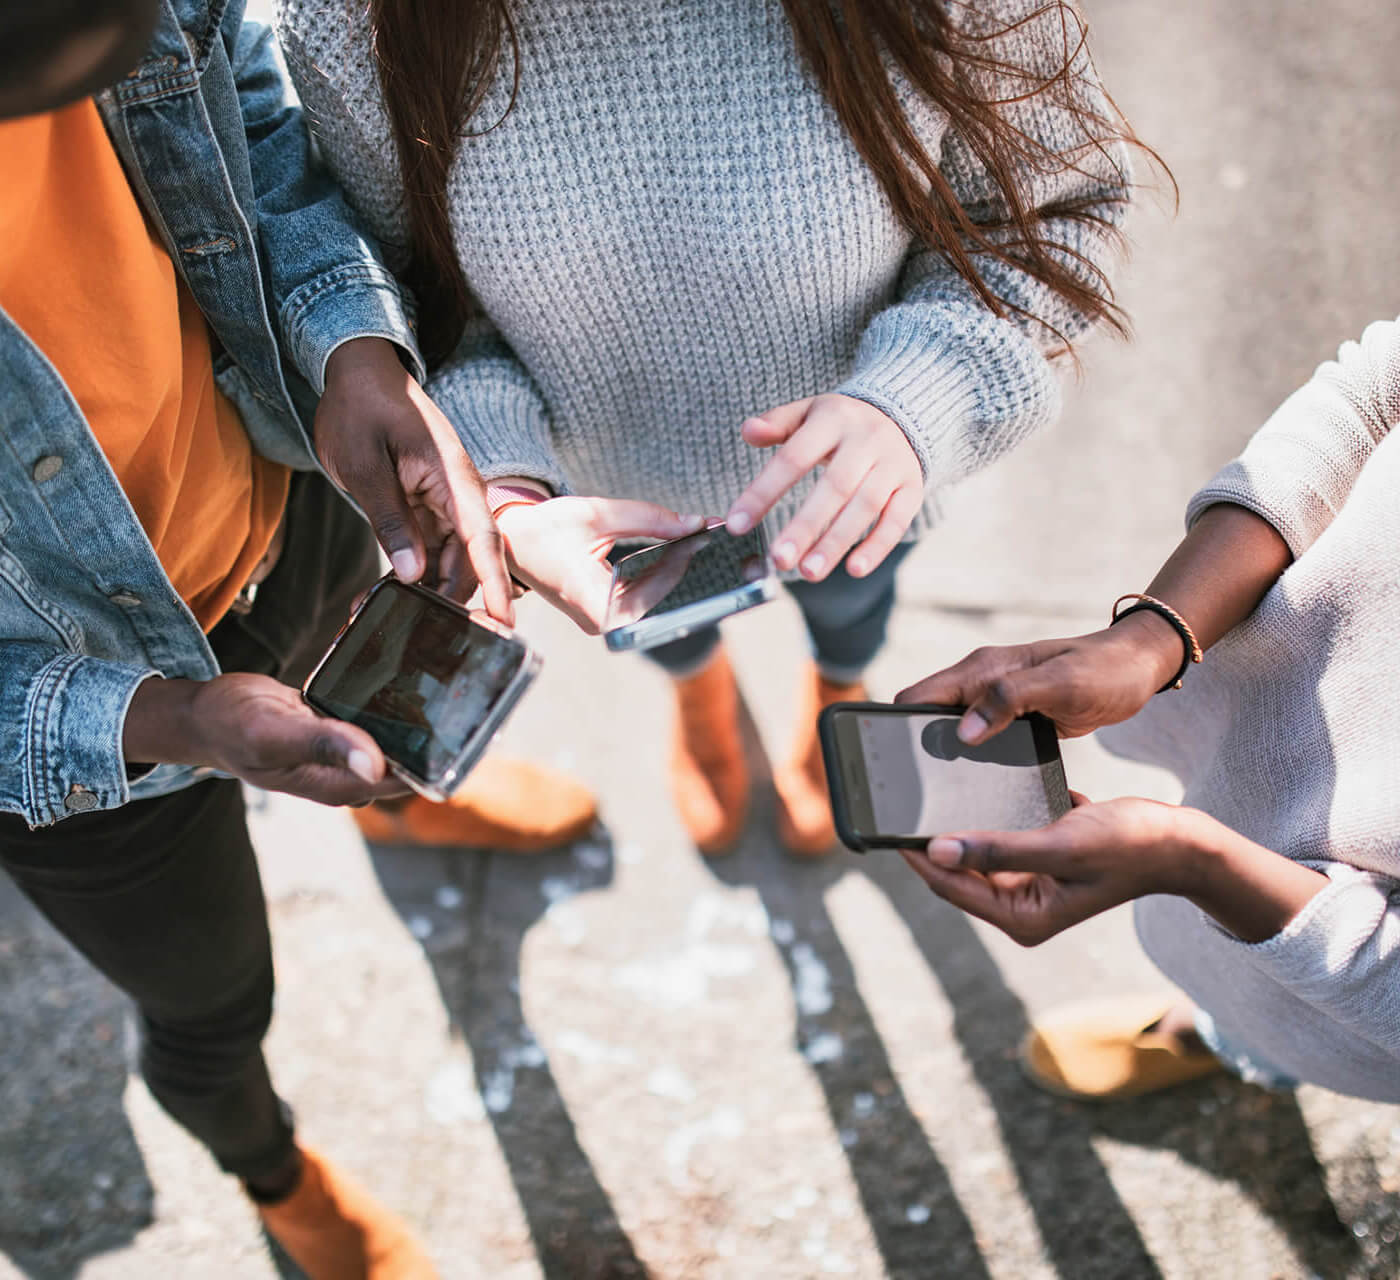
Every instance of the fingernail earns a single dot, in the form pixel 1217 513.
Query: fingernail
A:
pixel 740 522
pixel 972 726
pixel 946 852
pixel 856 567
pixel 361 765
pixel 405 564
pixel 785 553
pixel 813 565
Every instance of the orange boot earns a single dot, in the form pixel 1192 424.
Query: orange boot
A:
pixel 709 774
pixel 504 804
pixel 334 1230
pixel 805 825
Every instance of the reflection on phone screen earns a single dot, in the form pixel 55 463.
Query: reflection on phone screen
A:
pixel 663 578
pixel 418 677
pixel 923 780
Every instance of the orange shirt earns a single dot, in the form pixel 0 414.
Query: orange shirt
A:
pixel 90 283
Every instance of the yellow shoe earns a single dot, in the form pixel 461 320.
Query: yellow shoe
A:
pixel 335 1230
pixel 1106 1049
pixel 504 804
pixel 709 773
pixel 805 824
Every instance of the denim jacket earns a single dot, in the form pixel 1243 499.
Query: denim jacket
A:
pixel 222 165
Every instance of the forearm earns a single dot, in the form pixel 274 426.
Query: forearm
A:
pixel 1224 566
pixel 1250 890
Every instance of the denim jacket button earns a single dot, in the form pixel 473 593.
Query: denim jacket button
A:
pixel 79 799
pixel 47 467
pixel 126 599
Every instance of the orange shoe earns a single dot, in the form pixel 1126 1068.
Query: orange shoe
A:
pixel 709 774
pixel 334 1230
pixel 805 824
pixel 504 804
pixel 1107 1049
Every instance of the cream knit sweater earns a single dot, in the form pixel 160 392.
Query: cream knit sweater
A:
pixel 670 231
pixel 1290 733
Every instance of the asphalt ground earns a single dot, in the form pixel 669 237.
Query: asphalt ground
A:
pixel 621 1060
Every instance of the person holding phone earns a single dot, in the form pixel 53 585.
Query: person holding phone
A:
pixel 743 259
pixel 1272 897
pixel 194 325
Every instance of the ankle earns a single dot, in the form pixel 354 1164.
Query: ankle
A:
pixel 274 1187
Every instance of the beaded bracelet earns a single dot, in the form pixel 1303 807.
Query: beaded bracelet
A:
pixel 1178 624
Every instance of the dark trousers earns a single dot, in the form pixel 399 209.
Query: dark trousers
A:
pixel 846 618
pixel 163 896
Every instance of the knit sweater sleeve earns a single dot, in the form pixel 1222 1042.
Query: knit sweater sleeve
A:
pixel 489 396
pixel 1299 468
pixel 963 384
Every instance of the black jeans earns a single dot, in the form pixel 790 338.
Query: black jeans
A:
pixel 163 896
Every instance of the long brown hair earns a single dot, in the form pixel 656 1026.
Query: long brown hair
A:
pixel 436 68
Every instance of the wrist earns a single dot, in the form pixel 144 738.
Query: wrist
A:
pixel 365 359
pixel 161 727
pixel 1156 644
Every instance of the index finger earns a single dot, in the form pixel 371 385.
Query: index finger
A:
pixel 480 539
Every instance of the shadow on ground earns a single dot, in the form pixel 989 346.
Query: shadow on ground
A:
pixel 573 1226
pixel 73 1183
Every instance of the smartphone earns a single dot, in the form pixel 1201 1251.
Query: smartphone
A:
pixel 430 682
pixel 899 775
pixel 665 592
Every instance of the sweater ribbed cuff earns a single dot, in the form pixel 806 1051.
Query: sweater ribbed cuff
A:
pixel 922 387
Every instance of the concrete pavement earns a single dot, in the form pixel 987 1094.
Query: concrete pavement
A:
pixel 620 1060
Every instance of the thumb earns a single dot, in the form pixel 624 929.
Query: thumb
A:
pixel 1007 696
pixel 772 428
pixel 988 851
pixel 334 744
pixel 630 518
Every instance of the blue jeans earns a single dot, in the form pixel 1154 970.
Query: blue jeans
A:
pixel 846 618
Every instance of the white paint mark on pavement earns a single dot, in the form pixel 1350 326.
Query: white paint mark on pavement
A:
pixel 671 1083
pixel 451 1097
pixel 586 1049
pixel 811 981
pixel 825 1047
pixel 683 978
pixel 724 1122
pixel 918 1214
pixel 449 897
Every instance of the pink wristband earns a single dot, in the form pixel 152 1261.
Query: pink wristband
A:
pixel 507 493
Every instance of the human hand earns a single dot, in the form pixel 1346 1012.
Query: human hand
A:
pixel 383 440
pixel 1081 683
pixel 257 729
pixel 559 547
pixel 872 477
pixel 1035 884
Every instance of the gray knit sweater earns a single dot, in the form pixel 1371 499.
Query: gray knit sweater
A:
pixel 670 231
pixel 1289 732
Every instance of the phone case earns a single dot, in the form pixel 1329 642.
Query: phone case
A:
pixel 442 787
pixel 1047 744
pixel 648 633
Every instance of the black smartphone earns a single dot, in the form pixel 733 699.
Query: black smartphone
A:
pixel 429 681
pixel 666 591
pixel 899 775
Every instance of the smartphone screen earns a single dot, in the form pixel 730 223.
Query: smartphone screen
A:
pixel 420 677
pixel 656 581
pixel 905 776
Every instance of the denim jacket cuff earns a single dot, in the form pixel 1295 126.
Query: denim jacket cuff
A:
pixel 76 713
pixel 360 301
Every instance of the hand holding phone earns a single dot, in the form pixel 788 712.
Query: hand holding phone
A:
pixel 899 774
pixel 428 681
pixel 560 547
pixel 665 592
